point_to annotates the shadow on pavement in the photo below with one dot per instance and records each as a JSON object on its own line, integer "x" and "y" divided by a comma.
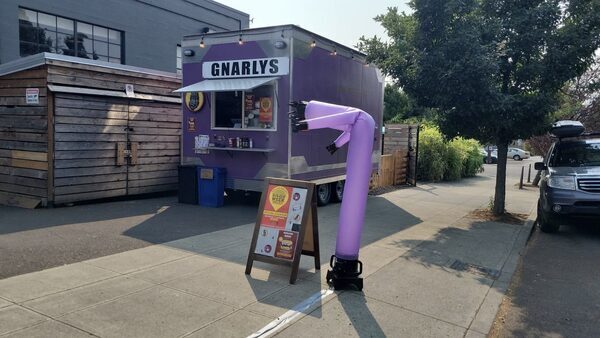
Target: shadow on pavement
{"x": 363, "y": 321}
{"x": 464, "y": 182}
{"x": 226, "y": 236}
{"x": 475, "y": 247}
{"x": 13, "y": 219}
{"x": 182, "y": 221}
{"x": 467, "y": 182}
{"x": 33, "y": 240}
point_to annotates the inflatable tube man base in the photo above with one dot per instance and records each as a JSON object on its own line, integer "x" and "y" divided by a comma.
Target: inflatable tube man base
{"x": 358, "y": 130}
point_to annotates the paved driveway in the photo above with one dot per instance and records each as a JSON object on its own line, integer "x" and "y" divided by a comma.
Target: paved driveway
{"x": 431, "y": 269}
{"x": 32, "y": 240}
{"x": 557, "y": 291}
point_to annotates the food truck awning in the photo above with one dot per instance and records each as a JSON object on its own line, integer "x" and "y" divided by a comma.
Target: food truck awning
{"x": 225, "y": 85}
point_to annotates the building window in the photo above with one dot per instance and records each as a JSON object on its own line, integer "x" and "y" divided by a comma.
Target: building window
{"x": 40, "y": 32}
{"x": 253, "y": 109}
{"x": 178, "y": 60}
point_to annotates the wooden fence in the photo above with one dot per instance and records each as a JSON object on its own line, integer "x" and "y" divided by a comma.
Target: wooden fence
{"x": 69, "y": 145}
{"x": 399, "y": 160}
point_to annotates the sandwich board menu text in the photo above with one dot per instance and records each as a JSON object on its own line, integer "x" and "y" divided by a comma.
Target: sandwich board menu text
{"x": 282, "y": 223}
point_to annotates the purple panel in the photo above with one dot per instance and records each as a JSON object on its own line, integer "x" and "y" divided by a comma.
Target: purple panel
{"x": 238, "y": 164}
{"x": 318, "y": 76}
{"x": 339, "y": 80}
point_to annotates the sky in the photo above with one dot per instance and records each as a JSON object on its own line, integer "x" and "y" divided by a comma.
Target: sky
{"x": 343, "y": 21}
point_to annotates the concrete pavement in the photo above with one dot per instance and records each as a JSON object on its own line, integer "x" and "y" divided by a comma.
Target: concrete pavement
{"x": 430, "y": 270}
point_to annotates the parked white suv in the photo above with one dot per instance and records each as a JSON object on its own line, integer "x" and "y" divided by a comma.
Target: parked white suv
{"x": 518, "y": 154}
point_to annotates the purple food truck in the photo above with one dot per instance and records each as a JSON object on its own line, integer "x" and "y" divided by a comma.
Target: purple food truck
{"x": 236, "y": 95}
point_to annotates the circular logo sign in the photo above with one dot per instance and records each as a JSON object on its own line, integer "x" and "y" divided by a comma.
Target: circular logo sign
{"x": 194, "y": 101}
{"x": 265, "y": 103}
{"x": 278, "y": 197}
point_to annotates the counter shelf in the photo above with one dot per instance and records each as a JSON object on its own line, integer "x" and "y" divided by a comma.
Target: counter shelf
{"x": 231, "y": 150}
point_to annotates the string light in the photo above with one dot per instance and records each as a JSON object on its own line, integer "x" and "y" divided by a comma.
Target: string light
{"x": 240, "y": 41}
{"x": 313, "y": 44}
{"x": 334, "y": 53}
{"x": 202, "y": 43}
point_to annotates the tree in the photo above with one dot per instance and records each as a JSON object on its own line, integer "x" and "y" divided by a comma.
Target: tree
{"x": 396, "y": 104}
{"x": 578, "y": 100}
{"x": 399, "y": 107}
{"x": 76, "y": 47}
{"x": 493, "y": 69}
{"x": 34, "y": 39}
{"x": 585, "y": 90}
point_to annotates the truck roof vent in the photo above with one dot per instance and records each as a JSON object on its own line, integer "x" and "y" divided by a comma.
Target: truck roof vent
{"x": 567, "y": 128}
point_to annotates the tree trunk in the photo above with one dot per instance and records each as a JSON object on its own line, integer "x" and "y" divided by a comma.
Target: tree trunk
{"x": 500, "y": 193}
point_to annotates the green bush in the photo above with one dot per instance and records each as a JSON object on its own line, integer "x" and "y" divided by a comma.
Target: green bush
{"x": 449, "y": 161}
{"x": 432, "y": 150}
{"x": 470, "y": 156}
{"x": 454, "y": 163}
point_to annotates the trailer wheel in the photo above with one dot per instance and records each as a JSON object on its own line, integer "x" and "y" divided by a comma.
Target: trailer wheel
{"x": 323, "y": 194}
{"x": 338, "y": 191}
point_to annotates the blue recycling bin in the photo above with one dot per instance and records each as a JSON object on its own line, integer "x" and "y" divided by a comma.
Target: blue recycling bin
{"x": 211, "y": 186}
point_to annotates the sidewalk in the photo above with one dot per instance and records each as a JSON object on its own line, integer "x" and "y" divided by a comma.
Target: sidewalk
{"x": 430, "y": 270}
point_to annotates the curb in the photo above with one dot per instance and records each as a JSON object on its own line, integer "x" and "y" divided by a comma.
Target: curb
{"x": 484, "y": 319}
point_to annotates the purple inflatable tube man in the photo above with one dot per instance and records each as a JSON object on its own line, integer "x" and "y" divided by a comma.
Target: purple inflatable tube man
{"x": 358, "y": 129}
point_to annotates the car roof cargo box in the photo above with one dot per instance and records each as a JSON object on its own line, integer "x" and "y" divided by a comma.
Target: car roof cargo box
{"x": 567, "y": 128}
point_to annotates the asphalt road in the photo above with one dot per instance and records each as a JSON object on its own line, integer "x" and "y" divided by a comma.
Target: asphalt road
{"x": 33, "y": 240}
{"x": 513, "y": 169}
{"x": 557, "y": 291}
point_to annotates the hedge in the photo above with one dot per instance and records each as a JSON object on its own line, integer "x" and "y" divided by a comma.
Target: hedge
{"x": 449, "y": 161}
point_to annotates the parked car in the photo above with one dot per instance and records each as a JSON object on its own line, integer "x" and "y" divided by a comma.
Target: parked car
{"x": 518, "y": 154}
{"x": 570, "y": 184}
{"x": 493, "y": 156}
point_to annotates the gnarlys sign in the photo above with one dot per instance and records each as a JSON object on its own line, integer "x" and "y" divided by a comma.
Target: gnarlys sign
{"x": 246, "y": 68}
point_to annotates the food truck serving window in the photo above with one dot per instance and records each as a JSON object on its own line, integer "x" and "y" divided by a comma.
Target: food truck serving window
{"x": 253, "y": 109}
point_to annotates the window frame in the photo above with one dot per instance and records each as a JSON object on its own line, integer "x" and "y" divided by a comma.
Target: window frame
{"x": 121, "y": 34}
{"x": 213, "y": 107}
{"x": 558, "y": 149}
{"x": 178, "y": 59}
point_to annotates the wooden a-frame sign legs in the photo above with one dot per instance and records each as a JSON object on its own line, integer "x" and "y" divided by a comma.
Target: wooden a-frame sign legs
{"x": 286, "y": 226}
